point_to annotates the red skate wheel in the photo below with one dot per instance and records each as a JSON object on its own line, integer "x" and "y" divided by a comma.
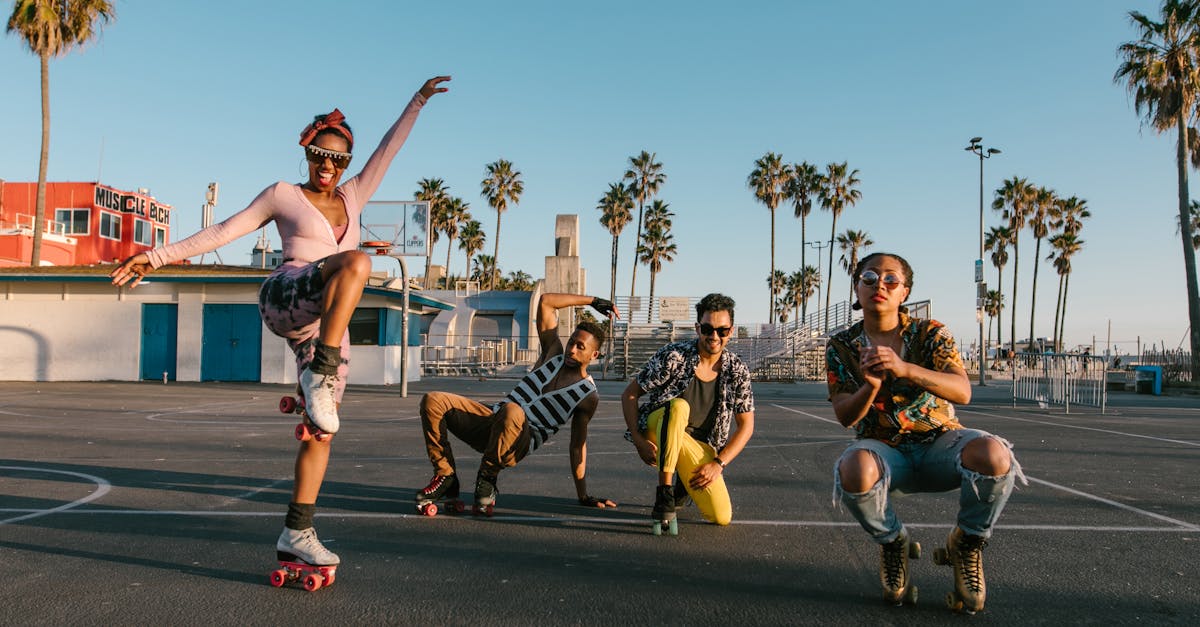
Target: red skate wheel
{"x": 430, "y": 510}
{"x": 487, "y": 510}
{"x": 302, "y": 432}
{"x": 278, "y": 578}
{"x": 287, "y": 405}
{"x": 313, "y": 582}
{"x": 458, "y": 507}
{"x": 329, "y": 578}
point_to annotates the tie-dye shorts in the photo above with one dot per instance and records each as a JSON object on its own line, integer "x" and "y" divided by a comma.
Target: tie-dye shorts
{"x": 290, "y": 302}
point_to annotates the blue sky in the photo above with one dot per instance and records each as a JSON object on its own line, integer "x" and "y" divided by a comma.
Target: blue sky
{"x": 177, "y": 94}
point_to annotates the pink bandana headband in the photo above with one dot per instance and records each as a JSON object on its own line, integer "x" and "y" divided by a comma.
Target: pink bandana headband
{"x": 332, "y": 121}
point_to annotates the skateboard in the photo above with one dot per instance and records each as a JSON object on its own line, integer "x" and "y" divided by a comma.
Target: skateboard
{"x": 452, "y": 505}
{"x": 941, "y": 557}
{"x": 306, "y": 430}
{"x": 313, "y": 578}
{"x": 909, "y": 594}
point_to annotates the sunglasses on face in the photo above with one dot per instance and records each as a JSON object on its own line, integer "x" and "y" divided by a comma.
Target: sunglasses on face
{"x": 891, "y": 280}
{"x": 317, "y": 156}
{"x": 707, "y": 329}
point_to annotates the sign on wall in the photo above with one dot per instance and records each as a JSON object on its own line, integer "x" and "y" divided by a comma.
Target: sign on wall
{"x": 674, "y": 309}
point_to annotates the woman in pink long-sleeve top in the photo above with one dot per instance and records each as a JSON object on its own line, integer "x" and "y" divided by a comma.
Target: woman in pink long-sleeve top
{"x": 309, "y": 299}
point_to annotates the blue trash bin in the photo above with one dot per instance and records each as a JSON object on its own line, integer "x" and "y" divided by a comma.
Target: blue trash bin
{"x": 1148, "y": 379}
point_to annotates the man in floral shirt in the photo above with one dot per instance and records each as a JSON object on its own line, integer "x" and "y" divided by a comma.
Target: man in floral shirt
{"x": 694, "y": 391}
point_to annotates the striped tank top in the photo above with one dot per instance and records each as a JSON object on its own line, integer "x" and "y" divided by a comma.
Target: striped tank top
{"x": 547, "y": 412}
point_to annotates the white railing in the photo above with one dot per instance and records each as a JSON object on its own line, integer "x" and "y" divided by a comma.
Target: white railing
{"x": 1060, "y": 379}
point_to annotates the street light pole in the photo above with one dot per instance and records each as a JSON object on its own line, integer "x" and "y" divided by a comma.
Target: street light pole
{"x": 820, "y": 246}
{"x": 977, "y": 148}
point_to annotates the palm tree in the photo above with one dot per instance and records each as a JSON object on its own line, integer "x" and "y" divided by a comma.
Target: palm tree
{"x": 838, "y": 192}
{"x": 851, "y": 242}
{"x": 997, "y": 240}
{"x": 777, "y": 283}
{"x": 658, "y": 245}
{"x": 485, "y": 271}
{"x": 1064, "y": 246}
{"x": 616, "y": 210}
{"x": 471, "y": 240}
{"x": 1012, "y": 200}
{"x": 1069, "y": 217}
{"x": 768, "y": 180}
{"x": 802, "y": 188}
{"x": 51, "y": 29}
{"x": 783, "y": 307}
{"x": 645, "y": 178}
{"x": 434, "y": 192}
{"x": 519, "y": 281}
{"x": 1195, "y": 224}
{"x": 457, "y": 214}
{"x": 1161, "y": 70}
{"x": 993, "y": 304}
{"x": 804, "y": 283}
{"x": 501, "y": 186}
{"x": 1042, "y": 209}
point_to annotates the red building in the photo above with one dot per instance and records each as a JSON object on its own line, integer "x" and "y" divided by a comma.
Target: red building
{"x": 85, "y": 223}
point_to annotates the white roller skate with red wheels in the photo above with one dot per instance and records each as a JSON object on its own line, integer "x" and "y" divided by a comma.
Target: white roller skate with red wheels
{"x": 444, "y": 489}
{"x": 306, "y": 430}
{"x": 303, "y": 558}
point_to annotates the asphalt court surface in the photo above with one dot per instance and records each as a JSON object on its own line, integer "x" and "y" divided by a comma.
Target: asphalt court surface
{"x": 144, "y": 503}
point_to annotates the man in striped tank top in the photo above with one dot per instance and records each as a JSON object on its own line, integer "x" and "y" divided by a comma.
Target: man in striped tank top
{"x": 558, "y": 390}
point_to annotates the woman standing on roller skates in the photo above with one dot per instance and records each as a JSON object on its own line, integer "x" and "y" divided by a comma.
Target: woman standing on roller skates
{"x": 892, "y": 378}
{"x": 309, "y": 299}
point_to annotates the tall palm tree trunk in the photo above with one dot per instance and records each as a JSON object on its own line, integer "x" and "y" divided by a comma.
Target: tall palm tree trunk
{"x": 1012, "y": 312}
{"x": 637, "y": 243}
{"x": 771, "y": 295}
{"x": 1057, "y": 311}
{"x": 829, "y": 285}
{"x": 612, "y": 290}
{"x": 1000, "y": 314}
{"x": 1189, "y": 253}
{"x": 803, "y": 295}
{"x": 1062, "y": 324}
{"x": 495, "y": 255}
{"x": 449, "y": 247}
{"x": 39, "y": 212}
{"x": 1037, "y": 255}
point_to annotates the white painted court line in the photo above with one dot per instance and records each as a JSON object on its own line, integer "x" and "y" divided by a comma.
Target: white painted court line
{"x": 102, "y": 488}
{"x": 804, "y": 413}
{"x": 636, "y": 522}
{"x": 1067, "y": 426}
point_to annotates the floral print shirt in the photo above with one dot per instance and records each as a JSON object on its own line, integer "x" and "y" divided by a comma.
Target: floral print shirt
{"x": 667, "y": 374}
{"x": 901, "y": 407}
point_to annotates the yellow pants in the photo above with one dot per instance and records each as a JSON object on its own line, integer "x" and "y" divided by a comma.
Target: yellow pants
{"x": 682, "y": 454}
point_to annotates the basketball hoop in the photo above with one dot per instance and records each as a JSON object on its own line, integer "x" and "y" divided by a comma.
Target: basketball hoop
{"x": 381, "y": 247}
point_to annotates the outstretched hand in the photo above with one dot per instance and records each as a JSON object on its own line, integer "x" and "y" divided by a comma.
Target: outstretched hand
{"x": 134, "y": 268}
{"x": 607, "y": 308}
{"x": 597, "y": 502}
{"x": 431, "y": 87}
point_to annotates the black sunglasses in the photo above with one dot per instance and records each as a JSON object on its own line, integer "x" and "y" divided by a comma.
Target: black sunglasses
{"x": 318, "y": 155}
{"x": 706, "y": 329}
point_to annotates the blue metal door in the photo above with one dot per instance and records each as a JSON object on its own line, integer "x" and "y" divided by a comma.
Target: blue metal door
{"x": 231, "y": 347}
{"x": 159, "y": 338}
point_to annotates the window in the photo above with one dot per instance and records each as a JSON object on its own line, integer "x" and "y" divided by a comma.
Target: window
{"x": 110, "y": 225}
{"x": 160, "y": 236}
{"x": 72, "y": 221}
{"x": 364, "y": 326}
{"x": 142, "y": 232}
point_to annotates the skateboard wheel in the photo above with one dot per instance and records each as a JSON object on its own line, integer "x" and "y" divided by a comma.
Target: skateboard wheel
{"x": 278, "y": 578}
{"x": 287, "y": 405}
{"x": 313, "y": 582}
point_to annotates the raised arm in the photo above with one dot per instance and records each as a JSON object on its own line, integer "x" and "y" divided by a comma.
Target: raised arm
{"x": 368, "y": 180}
{"x": 547, "y": 318}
